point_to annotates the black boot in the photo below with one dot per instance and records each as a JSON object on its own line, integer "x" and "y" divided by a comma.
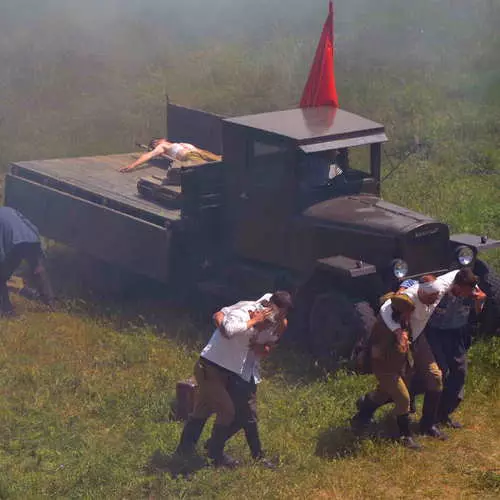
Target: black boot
{"x": 366, "y": 409}
{"x": 190, "y": 435}
{"x": 233, "y": 429}
{"x": 447, "y": 406}
{"x": 253, "y": 440}
{"x": 220, "y": 435}
{"x": 405, "y": 434}
{"x": 429, "y": 416}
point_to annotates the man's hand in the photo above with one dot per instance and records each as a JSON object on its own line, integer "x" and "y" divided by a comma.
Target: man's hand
{"x": 479, "y": 298}
{"x": 128, "y": 168}
{"x": 479, "y": 295}
{"x": 259, "y": 317}
{"x": 402, "y": 341}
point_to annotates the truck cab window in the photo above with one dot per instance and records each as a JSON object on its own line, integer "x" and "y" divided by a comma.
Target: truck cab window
{"x": 316, "y": 170}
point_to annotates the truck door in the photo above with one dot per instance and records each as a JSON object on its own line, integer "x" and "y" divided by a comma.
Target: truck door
{"x": 265, "y": 202}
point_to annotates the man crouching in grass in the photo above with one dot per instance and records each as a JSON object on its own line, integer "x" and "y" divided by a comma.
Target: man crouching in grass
{"x": 228, "y": 371}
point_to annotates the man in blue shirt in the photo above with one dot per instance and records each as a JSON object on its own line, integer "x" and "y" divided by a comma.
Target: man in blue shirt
{"x": 448, "y": 333}
{"x": 20, "y": 240}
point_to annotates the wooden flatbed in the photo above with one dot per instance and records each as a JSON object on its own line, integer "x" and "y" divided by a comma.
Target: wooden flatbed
{"x": 98, "y": 179}
{"x": 88, "y": 204}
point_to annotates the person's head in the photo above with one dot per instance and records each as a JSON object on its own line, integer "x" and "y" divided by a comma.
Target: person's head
{"x": 428, "y": 291}
{"x": 153, "y": 143}
{"x": 281, "y": 302}
{"x": 464, "y": 283}
{"x": 402, "y": 307}
{"x": 427, "y": 278}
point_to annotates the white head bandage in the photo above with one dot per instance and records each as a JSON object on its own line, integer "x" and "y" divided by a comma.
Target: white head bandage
{"x": 429, "y": 288}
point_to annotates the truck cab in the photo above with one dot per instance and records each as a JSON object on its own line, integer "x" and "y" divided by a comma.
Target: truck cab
{"x": 282, "y": 163}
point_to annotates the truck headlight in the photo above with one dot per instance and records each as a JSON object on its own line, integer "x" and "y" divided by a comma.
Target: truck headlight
{"x": 399, "y": 268}
{"x": 465, "y": 255}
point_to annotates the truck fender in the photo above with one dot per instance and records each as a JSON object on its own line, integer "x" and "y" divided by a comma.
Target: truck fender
{"x": 345, "y": 267}
{"x": 477, "y": 243}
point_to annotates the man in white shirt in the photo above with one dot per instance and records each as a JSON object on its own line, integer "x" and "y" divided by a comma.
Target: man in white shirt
{"x": 230, "y": 354}
{"x": 426, "y": 297}
{"x": 243, "y": 387}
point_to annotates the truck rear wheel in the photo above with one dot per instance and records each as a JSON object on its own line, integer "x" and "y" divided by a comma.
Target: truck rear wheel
{"x": 489, "y": 282}
{"x": 336, "y": 322}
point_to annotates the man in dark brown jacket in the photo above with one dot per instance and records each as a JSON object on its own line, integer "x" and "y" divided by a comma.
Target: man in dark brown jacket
{"x": 390, "y": 362}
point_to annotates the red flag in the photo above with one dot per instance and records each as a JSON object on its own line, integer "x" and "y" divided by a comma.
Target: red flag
{"x": 320, "y": 89}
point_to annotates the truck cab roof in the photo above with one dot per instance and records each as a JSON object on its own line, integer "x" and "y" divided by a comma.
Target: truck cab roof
{"x": 315, "y": 129}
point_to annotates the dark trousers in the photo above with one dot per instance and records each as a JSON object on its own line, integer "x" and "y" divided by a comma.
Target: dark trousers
{"x": 450, "y": 350}
{"x": 32, "y": 253}
{"x": 244, "y": 397}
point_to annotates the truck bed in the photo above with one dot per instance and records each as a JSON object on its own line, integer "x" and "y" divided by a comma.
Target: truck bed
{"x": 88, "y": 204}
{"x": 97, "y": 179}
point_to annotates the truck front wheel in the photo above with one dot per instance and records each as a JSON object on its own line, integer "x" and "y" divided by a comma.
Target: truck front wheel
{"x": 336, "y": 322}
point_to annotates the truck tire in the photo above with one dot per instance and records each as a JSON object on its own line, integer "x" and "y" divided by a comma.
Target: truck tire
{"x": 336, "y": 322}
{"x": 489, "y": 282}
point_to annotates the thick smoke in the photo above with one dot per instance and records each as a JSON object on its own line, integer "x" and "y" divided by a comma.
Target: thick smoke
{"x": 89, "y": 77}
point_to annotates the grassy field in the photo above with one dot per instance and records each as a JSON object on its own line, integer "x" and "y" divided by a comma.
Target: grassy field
{"x": 86, "y": 392}
{"x": 86, "y": 401}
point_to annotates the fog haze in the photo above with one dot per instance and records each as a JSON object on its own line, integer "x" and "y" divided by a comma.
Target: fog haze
{"x": 89, "y": 77}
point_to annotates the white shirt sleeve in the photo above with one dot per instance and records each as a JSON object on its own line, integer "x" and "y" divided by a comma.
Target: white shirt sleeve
{"x": 386, "y": 314}
{"x": 235, "y": 323}
{"x": 234, "y": 307}
{"x": 266, "y": 296}
{"x": 445, "y": 281}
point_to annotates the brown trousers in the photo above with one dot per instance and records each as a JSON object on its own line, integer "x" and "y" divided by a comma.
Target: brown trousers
{"x": 212, "y": 395}
{"x": 391, "y": 386}
{"x": 394, "y": 386}
{"x": 202, "y": 155}
{"x": 425, "y": 366}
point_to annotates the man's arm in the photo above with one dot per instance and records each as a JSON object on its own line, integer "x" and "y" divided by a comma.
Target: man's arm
{"x": 144, "y": 158}
{"x": 386, "y": 314}
{"x": 445, "y": 281}
{"x": 402, "y": 336}
{"x": 237, "y": 322}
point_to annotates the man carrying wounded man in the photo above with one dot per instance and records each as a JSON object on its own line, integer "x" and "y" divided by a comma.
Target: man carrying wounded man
{"x": 400, "y": 351}
{"x": 227, "y": 374}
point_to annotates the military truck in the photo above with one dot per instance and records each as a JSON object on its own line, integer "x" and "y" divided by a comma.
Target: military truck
{"x": 294, "y": 202}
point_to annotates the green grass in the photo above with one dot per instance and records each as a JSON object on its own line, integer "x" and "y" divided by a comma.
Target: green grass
{"x": 86, "y": 392}
{"x": 87, "y": 406}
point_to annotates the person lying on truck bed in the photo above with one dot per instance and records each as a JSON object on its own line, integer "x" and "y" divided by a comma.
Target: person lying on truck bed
{"x": 181, "y": 151}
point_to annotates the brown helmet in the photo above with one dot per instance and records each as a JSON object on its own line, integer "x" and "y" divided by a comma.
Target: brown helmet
{"x": 401, "y": 303}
